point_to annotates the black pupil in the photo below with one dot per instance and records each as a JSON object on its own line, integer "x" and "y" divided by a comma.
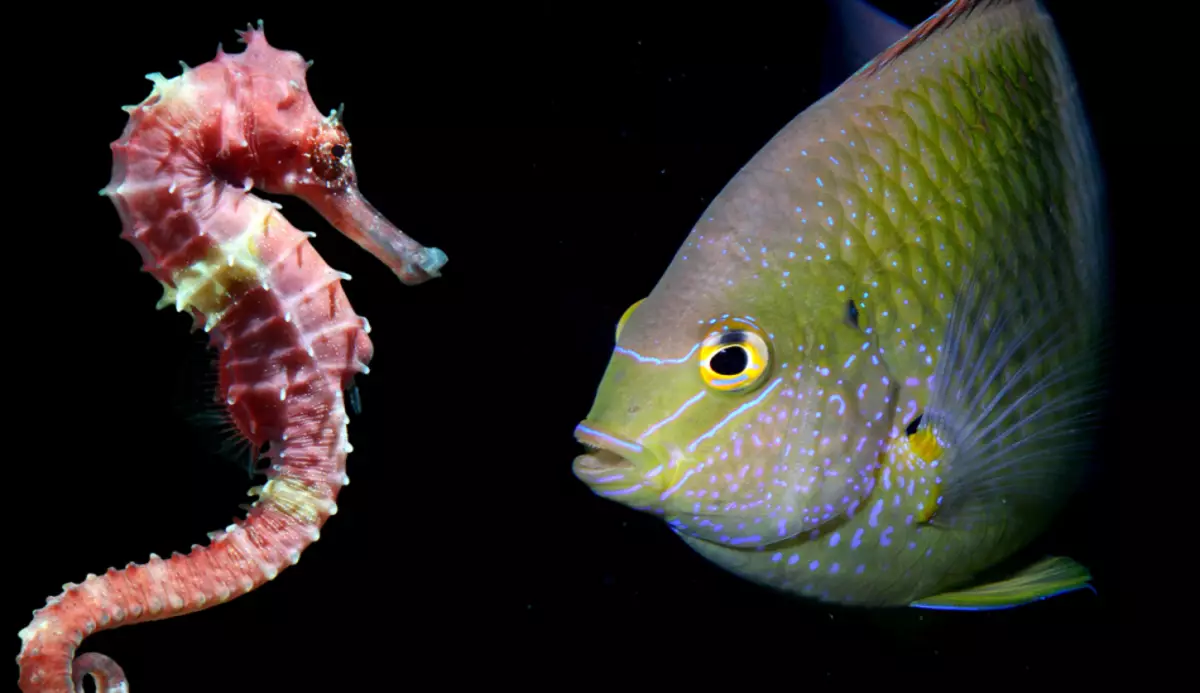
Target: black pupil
{"x": 911, "y": 429}
{"x": 338, "y": 151}
{"x": 852, "y": 313}
{"x": 729, "y": 361}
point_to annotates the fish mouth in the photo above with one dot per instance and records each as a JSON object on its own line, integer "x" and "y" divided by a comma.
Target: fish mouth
{"x": 601, "y": 461}
{"x": 608, "y": 457}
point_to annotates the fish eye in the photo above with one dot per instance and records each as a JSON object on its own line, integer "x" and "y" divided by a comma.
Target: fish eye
{"x": 734, "y": 357}
{"x": 625, "y": 317}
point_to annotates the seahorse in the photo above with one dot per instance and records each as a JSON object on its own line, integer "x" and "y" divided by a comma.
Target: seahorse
{"x": 288, "y": 340}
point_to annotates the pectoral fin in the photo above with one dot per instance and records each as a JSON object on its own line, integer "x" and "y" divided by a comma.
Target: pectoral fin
{"x": 1047, "y": 578}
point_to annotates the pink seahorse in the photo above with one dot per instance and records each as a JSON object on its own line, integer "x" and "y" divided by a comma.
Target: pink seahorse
{"x": 288, "y": 339}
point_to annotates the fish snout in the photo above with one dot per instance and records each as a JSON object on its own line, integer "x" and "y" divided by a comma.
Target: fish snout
{"x": 614, "y": 466}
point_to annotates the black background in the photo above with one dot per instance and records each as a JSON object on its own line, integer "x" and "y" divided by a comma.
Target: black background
{"x": 559, "y": 156}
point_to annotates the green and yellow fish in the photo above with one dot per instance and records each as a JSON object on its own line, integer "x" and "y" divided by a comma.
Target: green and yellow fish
{"x": 872, "y": 370}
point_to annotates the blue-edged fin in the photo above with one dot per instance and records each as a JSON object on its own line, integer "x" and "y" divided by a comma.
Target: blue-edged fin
{"x": 857, "y": 33}
{"x": 1047, "y": 578}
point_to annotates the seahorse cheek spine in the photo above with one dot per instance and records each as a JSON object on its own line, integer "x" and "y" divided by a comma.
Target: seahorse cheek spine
{"x": 288, "y": 338}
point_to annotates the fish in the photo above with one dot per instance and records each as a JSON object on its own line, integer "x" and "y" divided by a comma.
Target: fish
{"x": 873, "y": 372}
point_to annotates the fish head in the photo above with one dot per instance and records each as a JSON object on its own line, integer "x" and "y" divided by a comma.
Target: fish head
{"x": 740, "y": 405}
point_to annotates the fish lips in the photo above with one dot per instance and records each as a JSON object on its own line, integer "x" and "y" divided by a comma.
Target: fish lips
{"x": 608, "y": 457}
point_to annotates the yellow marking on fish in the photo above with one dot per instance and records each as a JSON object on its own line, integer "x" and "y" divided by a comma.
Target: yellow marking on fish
{"x": 910, "y": 474}
{"x": 625, "y": 317}
{"x": 926, "y": 445}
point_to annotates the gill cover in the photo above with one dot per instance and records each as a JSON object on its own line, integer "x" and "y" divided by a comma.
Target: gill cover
{"x": 797, "y": 448}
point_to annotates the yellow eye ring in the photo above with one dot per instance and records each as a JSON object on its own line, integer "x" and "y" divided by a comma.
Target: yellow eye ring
{"x": 735, "y": 356}
{"x": 625, "y": 318}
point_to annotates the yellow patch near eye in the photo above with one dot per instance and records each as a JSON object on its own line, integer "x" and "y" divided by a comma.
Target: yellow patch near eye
{"x": 735, "y": 356}
{"x": 625, "y": 317}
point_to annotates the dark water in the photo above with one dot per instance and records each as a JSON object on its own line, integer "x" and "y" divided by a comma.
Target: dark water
{"x": 558, "y": 157}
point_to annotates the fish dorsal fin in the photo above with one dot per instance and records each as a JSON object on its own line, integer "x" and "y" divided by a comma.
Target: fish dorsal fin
{"x": 1047, "y": 578}
{"x": 858, "y": 32}
{"x": 949, "y": 14}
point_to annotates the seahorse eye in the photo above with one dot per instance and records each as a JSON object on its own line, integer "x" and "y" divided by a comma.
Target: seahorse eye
{"x": 330, "y": 160}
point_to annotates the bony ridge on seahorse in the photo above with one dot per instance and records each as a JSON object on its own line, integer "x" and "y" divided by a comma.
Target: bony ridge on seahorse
{"x": 288, "y": 339}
